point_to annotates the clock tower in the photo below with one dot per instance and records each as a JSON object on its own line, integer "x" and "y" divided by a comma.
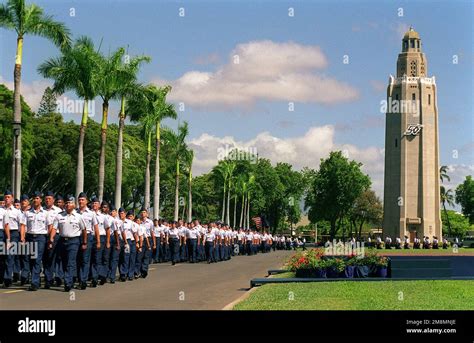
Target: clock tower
{"x": 411, "y": 180}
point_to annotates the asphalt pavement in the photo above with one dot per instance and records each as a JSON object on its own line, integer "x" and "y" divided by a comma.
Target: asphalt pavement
{"x": 184, "y": 286}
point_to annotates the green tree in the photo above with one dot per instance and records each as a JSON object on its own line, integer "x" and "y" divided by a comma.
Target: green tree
{"x": 6, "y": 133}
{"x": 465, "y": 197}
{"x": 76, "y": 70}
{"x": 48, "y": 103}
{"x": 447, "y": 197}
{"x": 188, "y": 164}
{"x": 443, "y": 173}
{"x": 459, "y": 223}
{"x": 336, "y": 186}
{"x": 129, "y": 89}
{"x": 179, "y": 150}
{"x": 109, "y": 82}
{"x": 26, "y": 20}
{"x": 367, "y": 208}
{"x": 149, "y": 106}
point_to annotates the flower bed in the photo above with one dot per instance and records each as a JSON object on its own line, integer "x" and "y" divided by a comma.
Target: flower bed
{"x": 314, "y": 264}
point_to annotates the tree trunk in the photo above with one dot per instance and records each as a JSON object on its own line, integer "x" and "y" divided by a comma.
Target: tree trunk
{"x": 227, "y": 220}
{"x": 333, "y": 228}
{"x": 339, "y": 226}
{"x": 190, "y": 200}
{"x": 80, "y": 151}
{"x": 176, "y": 193}
{"x": 242, "y": 211}
{"x": 447, "y": 219}
{"x": 184, "y": 211}
{"x": 223, "y": 204}
{"x": 147, "y": 172}
{"x": 16, "y": 170}
{"x": 248, "y": 210}
{"x": 235, "y": 210}
{"x": 103, "y": 140}
{"x": 156, "y": 190}
{"x": 118, "y": 158}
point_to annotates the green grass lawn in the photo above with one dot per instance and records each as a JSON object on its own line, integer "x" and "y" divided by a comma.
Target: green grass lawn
{"x": 347, "y": 295}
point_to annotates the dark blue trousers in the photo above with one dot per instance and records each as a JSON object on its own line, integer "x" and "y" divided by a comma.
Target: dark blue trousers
{"x": 69, "y": 248}
{"x": 133, "y": 256}
{"x": 192, "y": 250}
{"x": 124, "y": 259}
{"x": 33, "y": 263}
{"x": 114, "y": 258}
{"x": 85, "y": 259}
{"x": 98, "y": 260}
{"x": 3, "y": 259}
{"x": 174, "y": 249}
{"x": 209, "y": 247}
{"x": 49, "y": 259}
{"x": 12, "y": 260}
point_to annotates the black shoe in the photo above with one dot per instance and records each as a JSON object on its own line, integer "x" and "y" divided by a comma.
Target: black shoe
{"x": 94, "y": 283}
{"x": 136, "y": 276}
{"x": 102, "y": 281}
{"x": 32, "y": 288}
{"x": 58, "y": 282}
{"x": 67, "y": 288}
{"x": 83, "y": 285}
{"x": 23, "y": 280}
{"x": 173, "y": 263}
{"x": 112, "y": 281}
{"x": 123, "y": 278}
{"x": 131, "y": 278}
{"x": 7, "y": 283}
{"x": 16, "y": 277}
{"x": 47, "y": 285}
{"x": 144, "y": 275}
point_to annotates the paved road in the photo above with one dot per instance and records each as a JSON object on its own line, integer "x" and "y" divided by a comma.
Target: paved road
{"x": 183, "y": 286}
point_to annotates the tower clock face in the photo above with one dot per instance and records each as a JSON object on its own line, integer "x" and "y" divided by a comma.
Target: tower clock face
{"x": 413, "y": 129}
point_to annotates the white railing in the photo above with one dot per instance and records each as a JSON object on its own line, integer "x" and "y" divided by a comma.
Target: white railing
{"x": 411, "y": 79}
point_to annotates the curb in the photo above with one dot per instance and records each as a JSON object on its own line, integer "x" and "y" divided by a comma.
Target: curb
{"x": 230, "y": 306}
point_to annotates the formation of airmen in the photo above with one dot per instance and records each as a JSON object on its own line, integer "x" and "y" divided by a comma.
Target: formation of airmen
{"x": 405, "y": 243}
{"x": 86, "y": 245}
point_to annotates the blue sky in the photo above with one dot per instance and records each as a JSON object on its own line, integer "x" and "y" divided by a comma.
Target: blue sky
{"x": 203, "y": 41}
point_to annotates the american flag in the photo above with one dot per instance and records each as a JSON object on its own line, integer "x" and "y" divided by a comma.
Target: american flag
{"x": 258, "y": 222}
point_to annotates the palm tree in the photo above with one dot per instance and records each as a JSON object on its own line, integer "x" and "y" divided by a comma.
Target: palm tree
{"x": 129, "y": 89}
{"x": 242, "y": 190}
{"x": 222, "y": 169}
{"x": 178, "y": 149}
{"x": 231, "y": 165}
{"x": 108, "y": 85}
{"x": 250, "y": 185}
{"x": 27, "y": 20}
{"x": 443, "y": 173}
{"x": 446, "y": 196}
{"x": 235, "y": 197}
{"x": 151, "y": 106}
{"x": 189, "y": 157}
{"x": 75, "y": 70}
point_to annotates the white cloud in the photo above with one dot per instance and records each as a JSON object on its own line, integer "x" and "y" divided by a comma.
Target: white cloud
{"x": 400, "y": 29}
{"x": 32, "y": 92}
{"x": 262, "y": 70}
{"x": 457, "y": 173}
{"x": 212, "y": 58}
{"x": 301, "y": 151}
{"x": 378, "y": 86}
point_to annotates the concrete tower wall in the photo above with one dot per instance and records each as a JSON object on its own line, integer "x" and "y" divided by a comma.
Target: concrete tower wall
{"x": 411, "y": 189}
